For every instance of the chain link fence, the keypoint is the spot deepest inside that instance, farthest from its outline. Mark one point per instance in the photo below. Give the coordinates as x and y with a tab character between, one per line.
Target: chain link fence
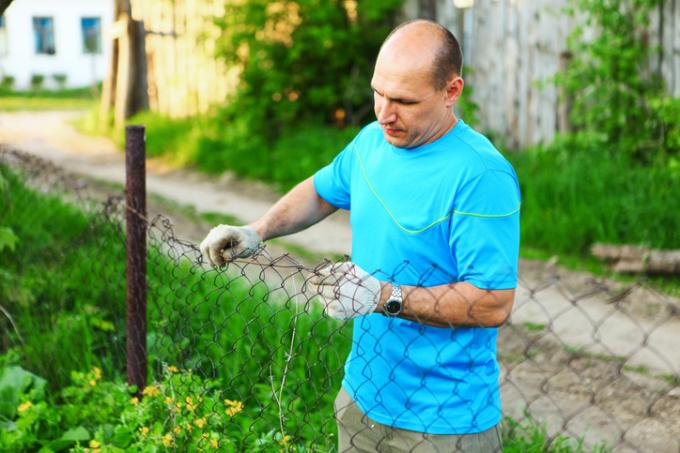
243	357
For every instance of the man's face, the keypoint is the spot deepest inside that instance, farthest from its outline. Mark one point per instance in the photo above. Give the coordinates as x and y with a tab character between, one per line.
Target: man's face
407	105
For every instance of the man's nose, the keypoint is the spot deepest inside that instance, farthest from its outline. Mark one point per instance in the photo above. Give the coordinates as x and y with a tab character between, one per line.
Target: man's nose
387	112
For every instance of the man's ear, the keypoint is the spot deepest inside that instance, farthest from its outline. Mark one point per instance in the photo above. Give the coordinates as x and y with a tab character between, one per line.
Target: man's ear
454	88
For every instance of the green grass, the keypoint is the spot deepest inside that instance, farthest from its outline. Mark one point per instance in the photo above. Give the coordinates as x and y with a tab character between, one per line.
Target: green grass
60	284
574	196
71	99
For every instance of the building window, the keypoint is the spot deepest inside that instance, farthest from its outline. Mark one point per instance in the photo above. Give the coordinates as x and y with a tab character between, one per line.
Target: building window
43	30
92	35
3	36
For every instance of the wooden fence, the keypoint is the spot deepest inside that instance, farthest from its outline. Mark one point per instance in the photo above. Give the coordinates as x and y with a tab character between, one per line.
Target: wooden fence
184	77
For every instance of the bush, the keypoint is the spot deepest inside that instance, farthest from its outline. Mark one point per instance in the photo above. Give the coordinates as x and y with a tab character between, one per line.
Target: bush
300	62
60	80
7	83
181	412
37	81
616	94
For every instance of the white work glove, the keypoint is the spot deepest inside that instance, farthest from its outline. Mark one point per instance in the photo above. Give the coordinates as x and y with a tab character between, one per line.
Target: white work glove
225	243
347	290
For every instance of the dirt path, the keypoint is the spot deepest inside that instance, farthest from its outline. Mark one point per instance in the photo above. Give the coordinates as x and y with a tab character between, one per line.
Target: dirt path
582	353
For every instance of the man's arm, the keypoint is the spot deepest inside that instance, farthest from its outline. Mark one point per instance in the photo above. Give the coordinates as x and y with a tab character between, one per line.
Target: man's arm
451	305
300	208
297	210
349	291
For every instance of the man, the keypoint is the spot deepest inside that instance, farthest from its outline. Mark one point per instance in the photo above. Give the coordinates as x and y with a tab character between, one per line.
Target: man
434	210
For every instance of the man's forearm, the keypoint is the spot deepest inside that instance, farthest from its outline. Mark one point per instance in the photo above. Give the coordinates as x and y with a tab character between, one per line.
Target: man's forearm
456	304
295	211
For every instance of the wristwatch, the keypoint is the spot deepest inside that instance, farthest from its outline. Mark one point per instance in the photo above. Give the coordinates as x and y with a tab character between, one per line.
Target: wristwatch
394	303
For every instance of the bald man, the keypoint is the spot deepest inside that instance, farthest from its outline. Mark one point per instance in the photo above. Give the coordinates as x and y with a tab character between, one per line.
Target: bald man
435	239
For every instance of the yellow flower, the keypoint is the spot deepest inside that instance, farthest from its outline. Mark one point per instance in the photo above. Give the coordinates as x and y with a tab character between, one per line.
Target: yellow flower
285	440
214	443
95	443
205	435
134	401
172	369
143	431
234	407
178	407
151	390
200	422
92	382
177	429
169	400
24	406
97	373
167	440
189	427
188	400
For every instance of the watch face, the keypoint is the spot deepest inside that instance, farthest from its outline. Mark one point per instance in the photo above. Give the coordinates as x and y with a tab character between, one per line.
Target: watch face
393	307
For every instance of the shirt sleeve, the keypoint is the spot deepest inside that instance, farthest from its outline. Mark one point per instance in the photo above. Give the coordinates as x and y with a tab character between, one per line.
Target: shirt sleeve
484	237
332	182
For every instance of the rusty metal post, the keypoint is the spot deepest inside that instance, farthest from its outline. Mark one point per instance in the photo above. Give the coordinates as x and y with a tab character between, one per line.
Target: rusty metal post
135	271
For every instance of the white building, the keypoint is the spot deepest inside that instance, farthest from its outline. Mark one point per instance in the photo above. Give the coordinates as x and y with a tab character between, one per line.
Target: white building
54	43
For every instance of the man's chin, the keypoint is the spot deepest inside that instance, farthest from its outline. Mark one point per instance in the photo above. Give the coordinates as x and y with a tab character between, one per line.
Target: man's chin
399	142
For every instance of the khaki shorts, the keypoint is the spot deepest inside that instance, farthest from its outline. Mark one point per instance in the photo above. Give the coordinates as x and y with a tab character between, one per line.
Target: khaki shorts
358	433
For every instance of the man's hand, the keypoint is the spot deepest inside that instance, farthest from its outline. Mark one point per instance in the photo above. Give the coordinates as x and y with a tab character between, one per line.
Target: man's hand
347	290
226	242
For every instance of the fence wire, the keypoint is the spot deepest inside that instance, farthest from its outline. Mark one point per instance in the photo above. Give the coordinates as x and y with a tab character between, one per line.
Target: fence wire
244	357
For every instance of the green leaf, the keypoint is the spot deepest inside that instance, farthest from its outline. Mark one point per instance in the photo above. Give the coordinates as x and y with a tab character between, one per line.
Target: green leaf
15	382
7	238
122	436
69	438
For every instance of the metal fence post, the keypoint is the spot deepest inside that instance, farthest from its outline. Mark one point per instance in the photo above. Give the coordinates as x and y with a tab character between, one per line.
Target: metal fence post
135	243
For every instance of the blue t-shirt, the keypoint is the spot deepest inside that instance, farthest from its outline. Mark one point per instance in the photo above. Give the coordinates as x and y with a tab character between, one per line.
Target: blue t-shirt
443	212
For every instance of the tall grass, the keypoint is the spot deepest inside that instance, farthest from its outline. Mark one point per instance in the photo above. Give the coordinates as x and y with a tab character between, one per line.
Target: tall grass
572	198
62	284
